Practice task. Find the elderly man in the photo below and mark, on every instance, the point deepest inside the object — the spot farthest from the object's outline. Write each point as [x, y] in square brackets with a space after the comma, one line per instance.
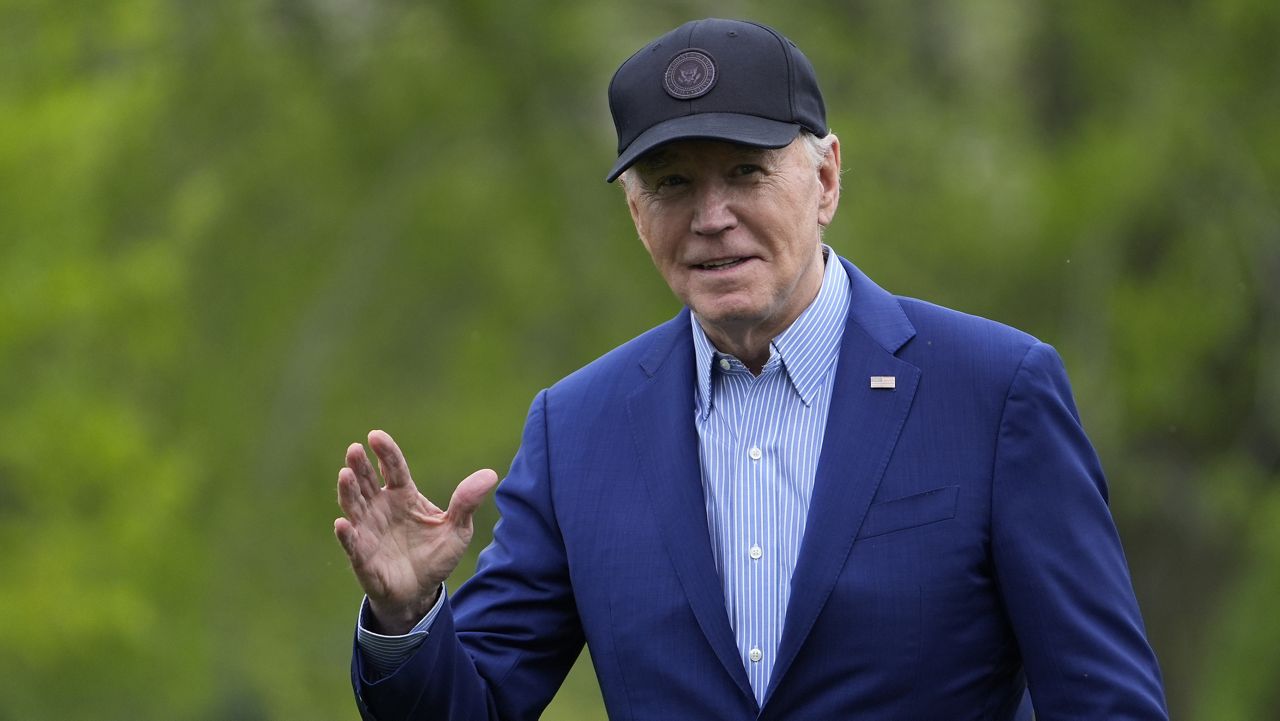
[801, 498]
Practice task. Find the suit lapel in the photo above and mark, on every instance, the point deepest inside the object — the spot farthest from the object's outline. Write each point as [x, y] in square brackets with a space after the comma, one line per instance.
[862, 430]
[661, 415]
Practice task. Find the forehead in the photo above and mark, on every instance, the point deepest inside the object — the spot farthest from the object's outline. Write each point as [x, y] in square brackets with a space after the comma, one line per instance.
[702, 151]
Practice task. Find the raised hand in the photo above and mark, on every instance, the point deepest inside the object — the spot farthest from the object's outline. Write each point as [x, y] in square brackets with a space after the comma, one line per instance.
[401, 545]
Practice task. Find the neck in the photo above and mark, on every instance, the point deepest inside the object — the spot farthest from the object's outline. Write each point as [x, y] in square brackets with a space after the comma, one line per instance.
[751, 347]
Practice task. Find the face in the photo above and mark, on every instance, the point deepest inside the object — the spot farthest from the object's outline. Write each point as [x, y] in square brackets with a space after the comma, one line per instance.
[735, 231]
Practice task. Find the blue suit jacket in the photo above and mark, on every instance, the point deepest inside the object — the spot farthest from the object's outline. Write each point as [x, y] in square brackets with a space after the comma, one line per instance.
[958, 548]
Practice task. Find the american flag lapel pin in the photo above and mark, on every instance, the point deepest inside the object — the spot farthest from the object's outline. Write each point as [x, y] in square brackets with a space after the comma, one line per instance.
[889, 382]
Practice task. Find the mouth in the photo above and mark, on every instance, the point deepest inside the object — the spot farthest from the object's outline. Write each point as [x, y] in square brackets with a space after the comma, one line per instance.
[721, 263]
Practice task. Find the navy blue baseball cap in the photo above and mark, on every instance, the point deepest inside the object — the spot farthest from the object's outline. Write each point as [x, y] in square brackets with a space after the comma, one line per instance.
[714, 79]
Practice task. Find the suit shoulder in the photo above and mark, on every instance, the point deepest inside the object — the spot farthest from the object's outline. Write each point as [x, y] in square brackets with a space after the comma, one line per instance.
[928, 316]
[965, 341]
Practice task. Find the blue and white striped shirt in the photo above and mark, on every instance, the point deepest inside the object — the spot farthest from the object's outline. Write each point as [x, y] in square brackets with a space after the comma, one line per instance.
[759, 438]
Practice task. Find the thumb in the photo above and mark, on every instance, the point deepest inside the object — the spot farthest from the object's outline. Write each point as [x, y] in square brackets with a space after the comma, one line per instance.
[469, 494]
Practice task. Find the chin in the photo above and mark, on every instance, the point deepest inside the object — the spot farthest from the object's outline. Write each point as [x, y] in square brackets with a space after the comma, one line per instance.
[728, 315]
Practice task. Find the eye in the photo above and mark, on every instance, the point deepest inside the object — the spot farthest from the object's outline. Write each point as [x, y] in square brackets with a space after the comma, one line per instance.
[670, 181]
[746, 169]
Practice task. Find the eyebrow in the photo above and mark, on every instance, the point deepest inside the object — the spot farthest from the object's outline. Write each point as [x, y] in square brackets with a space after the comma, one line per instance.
[661, 158]
[653, 161]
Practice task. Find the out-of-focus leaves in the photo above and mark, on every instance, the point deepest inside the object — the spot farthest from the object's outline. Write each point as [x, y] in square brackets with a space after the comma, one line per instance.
[235, 236]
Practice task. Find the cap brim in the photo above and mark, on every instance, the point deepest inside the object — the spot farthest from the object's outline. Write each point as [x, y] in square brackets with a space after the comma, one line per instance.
[731, 127]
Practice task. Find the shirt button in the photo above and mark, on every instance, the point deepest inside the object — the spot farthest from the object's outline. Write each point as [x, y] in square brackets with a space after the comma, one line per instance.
[725, 364]
[756, 552]
[755, 655]
[754, 453]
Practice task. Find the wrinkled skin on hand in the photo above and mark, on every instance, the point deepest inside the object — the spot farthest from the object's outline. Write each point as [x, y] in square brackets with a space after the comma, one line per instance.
[401, 545]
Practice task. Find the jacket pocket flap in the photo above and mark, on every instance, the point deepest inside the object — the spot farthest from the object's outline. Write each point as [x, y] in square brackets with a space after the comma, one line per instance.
[910, 511]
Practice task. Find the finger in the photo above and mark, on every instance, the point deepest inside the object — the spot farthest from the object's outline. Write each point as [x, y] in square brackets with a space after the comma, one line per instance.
[349, 498]
[390, 460]
[346, 535]
[359, 463]
[469, 494]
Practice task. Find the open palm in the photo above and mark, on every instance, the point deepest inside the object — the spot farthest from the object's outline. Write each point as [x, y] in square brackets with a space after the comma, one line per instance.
[400, 544]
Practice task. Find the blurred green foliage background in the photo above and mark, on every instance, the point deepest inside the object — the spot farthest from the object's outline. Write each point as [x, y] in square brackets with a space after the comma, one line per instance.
[236, 235]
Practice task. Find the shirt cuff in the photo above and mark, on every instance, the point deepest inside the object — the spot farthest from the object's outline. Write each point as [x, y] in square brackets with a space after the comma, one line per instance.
[384, 654]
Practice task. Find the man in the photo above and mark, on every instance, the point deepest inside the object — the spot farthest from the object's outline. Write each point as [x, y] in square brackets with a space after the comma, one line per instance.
[801, 498]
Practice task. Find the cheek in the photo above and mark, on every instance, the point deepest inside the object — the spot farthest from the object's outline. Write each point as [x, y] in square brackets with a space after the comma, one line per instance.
[668, 264]
[661, 243]
[642, 214]
[660, 255]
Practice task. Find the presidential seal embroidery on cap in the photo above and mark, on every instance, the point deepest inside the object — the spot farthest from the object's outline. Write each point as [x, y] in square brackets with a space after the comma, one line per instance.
[689, 75]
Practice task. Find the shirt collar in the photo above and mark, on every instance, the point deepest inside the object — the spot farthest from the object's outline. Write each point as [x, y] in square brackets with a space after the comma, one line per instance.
[807, 348]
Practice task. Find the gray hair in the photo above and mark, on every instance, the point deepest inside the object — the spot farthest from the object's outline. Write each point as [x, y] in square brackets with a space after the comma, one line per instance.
[818, 148]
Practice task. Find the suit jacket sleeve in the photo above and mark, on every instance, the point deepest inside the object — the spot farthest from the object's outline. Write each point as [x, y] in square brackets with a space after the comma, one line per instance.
[1058, 560]
[502, 645]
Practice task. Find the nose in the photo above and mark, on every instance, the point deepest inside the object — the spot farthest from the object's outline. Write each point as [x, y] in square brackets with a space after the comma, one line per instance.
[712, 212]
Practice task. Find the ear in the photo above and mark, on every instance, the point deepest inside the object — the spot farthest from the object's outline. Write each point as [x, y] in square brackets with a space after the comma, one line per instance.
[829, 178]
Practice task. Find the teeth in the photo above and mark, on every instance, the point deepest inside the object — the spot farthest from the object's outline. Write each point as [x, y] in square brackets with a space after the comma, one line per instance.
[721, 263]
